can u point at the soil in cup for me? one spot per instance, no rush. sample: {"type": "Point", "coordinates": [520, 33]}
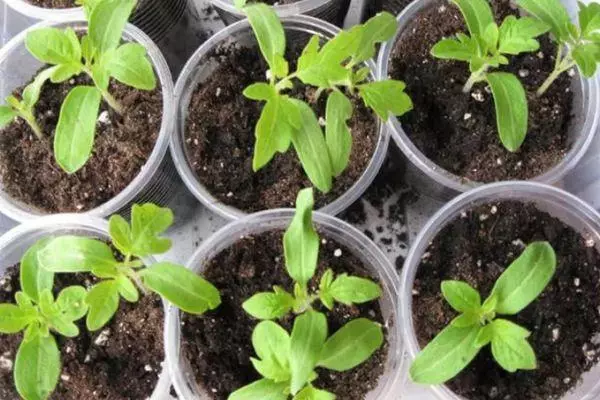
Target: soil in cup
{"type": "Point", "coordinates": [219, 137]}
{"type": "Point", "coordinates": [123, 143]}
{"type": "Point", "coordinates": [53, 3]}
{"type": "Point", "coordinates": [458, 131]}
{"type": "Point", "coordinates": [564, 321]}
{"type": "Point", "coordinates": [218, 344]}
{"type": "Point", "coordinates": [122, 361]}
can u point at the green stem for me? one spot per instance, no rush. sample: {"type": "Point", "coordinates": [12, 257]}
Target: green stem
{"type": "Point", "coordinates": [475, 77]}
{"type": "Point", "coordinates": [561, 65]}
{"type": "Point", "coordinates": [30, 119]}
{"type": "Point", "coordinates": [138, 281]}
{"type": "Point", "coordinates": [112, 102]}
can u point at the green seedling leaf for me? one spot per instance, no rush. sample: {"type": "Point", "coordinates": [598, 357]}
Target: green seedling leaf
{"type": "Point", "coordinates": [378, 29]}
{"type": "Point", "coordinates": [61, 73]}
{"type": "Point", "coordinates": [512, 110]}
{"type": "Point", "coordinates": [510, 347]}
{"type": "Point", "coordinates": [324, 286]}
{"type": "Point", "coordinates": [54, 46]}
{"type": "Point", "coordinates": [260, 91]}
{"type": "Point", "coordinates": [13, 319]}
{"type": "Point", "coordinates": [463, 48]}
{"type": "Point", "coordinates": [311, 147]}
{"type": "Point", "coordinates": [37, 367]}
{"type": "Point", "coordinates": [351, 345]}
{"type": "Point", "coordinates": [270, 35]}
{"type": "Point", "coordinates": [74, 254]}
{"type": "Point", "coordinates": [518, 35]}
{"type": "Point", "coordinates": [589, 19]}
{"type": "Point", "coordinates": [33, 277]}
{"type": "Point", "coordinates": [587, 57]}
{"type": "Point", "coordinates": [273, 344]}
{"type": "Point", "coordinates": [351, 290]}
{"type": "Point", "coordinates": [182, 287]}
{"type": "Point", "coordinates": [477, 14]}
{"type": "Point", "coordinates": [31, 93]}
{"type": "Point", "coordinates": [465, 320]}
{"type": "Point", "coordinates": [269, 305]}
{"type": "Point", "coordinates": [263, 389]}
{"type": "Point", "coordinates": [525, 279]}
{"type": "Point", "coordinates": [301, 241]}
{"type": "Point", "coordinates": [120, 234]}
{"type": "Point", "coordinates": [107, 22]}
{"type": "Point", "coordinates": [62, 325]}
{"type": "Point", "coordinates": [71, 302]}
{"type": "Point", "coordinates": [445, 356]}
{"type": "Point", "coordinates": [550, 12]}
{"type": "Point", "coordinates": [148, 221]}
{"type": "Point", "coordinates": [337, 133]}
{"type": "Point", "coordinates": [273, 131]}
{"type": "Point", "coordinates": [308, 337]}
{"type": "Point", "coordinates": [239, 4]}
{"type": "Point", "coordinates": [127, 289]}
{"type": "Point", "coordinates": [103, 301]}
{"type": "Point", "coordinates": [461, 296]}
{"type": "Point", "coordinates": [311, 393]}
{"type": "Point", "coordinates": [76, 128]}
{"type": "Point", "coordinates": [485, 336]}
{"type": "Point", "coordinates": [386, 97]}
{"type": "Point", "coordinates": [7, 115]}
{"type": "Point", "coordinates": [129, 64]}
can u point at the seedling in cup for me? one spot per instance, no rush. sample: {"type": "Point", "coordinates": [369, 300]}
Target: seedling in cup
{"type": "Point", "coordinates": [287, 362]}
{"type": "Point", "coordinates": [578, 46]}
{"type": "Point", "coordinates": [478, 324]}
{"type": "Point", "coordinates": [336, 68]}
{"type": "Point", "coordinates": [488, 46]}
{"type": "Point", "coordinates": [98, 54]}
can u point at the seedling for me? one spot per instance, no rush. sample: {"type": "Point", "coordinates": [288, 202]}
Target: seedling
{"type": "Point", "coordinates": [337, 68]}
{"type": "Point", "coordinates": [287, 363]}
{"type": "Point", "coordinates": [122, 278]}
{"type": "Point", "coordinates": [477, 325]}
{"type": "Point", "coordinates": [488, 47]}
{"type": "Point", "coordinates": [97, 54]}
{"type": "Point", "coordinates": [301, 250]}
{"type": "Point", "coordinates": [577, 45]}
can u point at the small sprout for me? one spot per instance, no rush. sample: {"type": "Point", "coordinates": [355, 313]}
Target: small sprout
{"type": "Point", "coordinates": [331, 68]}
{"type": "Point", "coordinates": [577, 45]}
{"type": "Point", "coordinates": [477, 325]}
{"type": "Point", "coordinates": [488, 46]}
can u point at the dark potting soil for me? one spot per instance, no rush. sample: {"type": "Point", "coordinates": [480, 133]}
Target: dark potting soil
{"type": "Point", "coordinates": [123, 143]}
{"type": "Point", "coordinates": [254, 264]}
{"type": "Point", "coordinates": [458, 131]}
{"type": "Point", "coordinates": [220, 138]}
{"type": "Point", "coordinates": [53, 3]}
{"type": "Point", "coordinates": [119, 362]}
{"type": "Point", "coordinates": [564, 320]}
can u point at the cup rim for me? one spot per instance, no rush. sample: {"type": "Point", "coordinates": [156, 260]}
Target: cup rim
{"type": "Point", "coordinates": [42, 13]}
{"type": "Point", "coordinates": [177, 146]}
{"type": "Point", "coordinates": [456, 182]}
{"type": "Point", "coordinates": [283, 10]}
{"type": "Point", "coordinates": [21, 212]}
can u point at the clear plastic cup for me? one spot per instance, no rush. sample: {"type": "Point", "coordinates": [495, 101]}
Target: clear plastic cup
{"type": "Point", "coordinates": [433, 180]}
{"type": "Point", "coordinates": [556, 202]}
{"type": "Point", "coordinates": [45, 14]}
{"type": "Point", "coordinates": [332, 11]}
{"type": "Point", "coordinates": [156, 180]}
{"type": "Point", "coordinates": [15, 243]}
{"type": "Point", "coordinates": [373, 258]}
{"type": "Point", "coordinates": [200, 67]}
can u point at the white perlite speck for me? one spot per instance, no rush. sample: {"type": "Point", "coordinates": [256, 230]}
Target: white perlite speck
{"type": "Point", "coordinates": [148, 368]}
{"type": "Point", "coordinates": [589, 243]}
{"type": "Point", "coordinates": [103, 118]}
{"type": "Point", "coordinates": [5, 363]}
{"type": "Point", "coordinates": [337, 253]}
{"type": "Point", "coordinates": [555, 334]}
{"type": "Point", "coordinates": [478, 96]}
{"type": "Point", "coordinates": [576, 281]}
{"type": "Point", "coordinates": [65, 377]}
{"type": "Point", "coordinates": [102, 337]}
{"type": "Point", "coordinates": [467, 116]}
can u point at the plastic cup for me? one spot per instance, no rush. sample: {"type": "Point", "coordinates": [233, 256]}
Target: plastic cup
{"type": "Point", "coordinates": [45, 14]}
{"type": "Point", "coordinates": [332, 11]}
{"type": "Point", "coordinates": [156, 180]}
{"type": "Point", "coordinates": [556, 202]}
{"type": "Point", "coordinates": [374, 260]}
{"type": "Point", "coordinates": [15, 243]}
{"type": "Point", "coordinates": [433, 180]}
{"type": "Point", "coordinates": [200, 67]}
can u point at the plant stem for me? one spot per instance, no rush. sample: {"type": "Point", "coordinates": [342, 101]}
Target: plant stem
{"type": "Point", "coordinates": [112, 102]}
{"type": "Point", "coordinates": [475, 77]}
{"type": "Point", "coordinates": [561, 65]}
{"type": "Point", "coordinates": [30, 119]}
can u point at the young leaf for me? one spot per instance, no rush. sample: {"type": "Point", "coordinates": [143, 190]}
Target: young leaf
{"type": "Point", "coordinates": [378, 29]}
{"type": "Point", "coordinates": [461, 296]}
{"type": "Point", "coordinates": [445, 356]}
{"type": "Point", "coordinates": [477, 14]}
{"type": "Point", "coordinates": [107, 22]}
{"type": "Point", "coordinates": [270, 35]}
{"type": "Point", "coordinates": [301, 241]}
{"type": "Point", "coordinates": [71, 302]}
{"type": "Point", "coordinates": [31, 93]}
{"type": "Point", "coordinates": [351, 290]}
{"type": "Point", "coordinates": [260, 91]}
{"type": "Point", "coordinates": [182, 287]}
{"type": "Point", "coordinates": [148, 221]}
{"type": "Point", "coordinates": [589, 19]}
{"type": "Point", "coordinates": [518, 35]}
{"type": "Point", "coordinates": [273, 131]}
{"type": "Point", "coordinates": [271, 370]}
{"type": "Point", "coordinates": [263, 389]}
{"type": "Point", "coordinates": [311, 393]}
{"type": "Point", "coordinates": [12, 318]}
{"type": "Point", "coordinates": [272, 342]}
{"type": "Point", "coordinates": [74, 254]}
{"type": "Point", "coordinates": [550, 12]}
{"type": "Point", "coordinates": [129, 64]}
{"type": "Point", "coordinates": [310, 145]}
{"type": "Point", "coordinates": [337, 134]}
{"type": "Point", "coordinates": [386, 97]}
{"type": "Point", "coordinates": [53, 46]}
{"type": "Point", "coordinates": [7, 115]}
{"type": "Point", "coordinates": [512, 110]}
{"type": "Point", "coordinates": [76, 128]}
{"type": "Point", "coordinates": [587, 57]}
{"type": "Point", "coordinates": [485, 336]}
{"type": "Point", "coordinates": [269, 305]}
{"type": "Point", "coordinates": [37, 367]}
{"type": "Point", "coordinates": [463, 48]}
{"type": "Point", "coordinates": [324, 286]}
{"type": "Point", "coordinates": [127, 289]}
{"type": "Point", "coordinates": [510, 347]}
{"type": "Point", "coordinates": [524, 280]}
{"type": "Point", "coordinates": [120, 234]}
{"type": "Point", "coordinates": [308, 337]}
{"type": "Point", "coordinates": [62, 325]}
{"type": "Point", "coordinates": [351, 345]}
{"type": "Point", "coordinates": [465, 320]}
{"type": "Point", "coordinates": [61, 73]}
{"type": "Point", "coordinates": [33, 277]}
{"type": "Point", "coordinates": [103, 302]}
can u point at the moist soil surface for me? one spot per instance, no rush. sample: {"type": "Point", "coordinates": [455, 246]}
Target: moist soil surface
{"type": "Point", "coordinates": [122, 361]}
{"type": "Point", "coordinates": [53, 3]}
{"type": "Point", "coordinates": [254, 264]}
{"type": "Point", "coordinates": [219, 138]}
{"type": "Point", "coordinates": [458, 131]}
{"type": "Point", "coordinates": [123, 143]}
{"type": "Point", "coordinates": [564, 320]}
